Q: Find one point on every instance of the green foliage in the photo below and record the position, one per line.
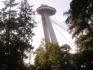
(53, 57)
(67, 59)
(81, 25)
(48, 58)
(15, 33)
(26, 20)
(84, 60)
(65, 48)
(79, 21)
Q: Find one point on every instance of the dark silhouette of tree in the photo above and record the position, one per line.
(80, 23)
(67, 59)
(65, 48)
(15, 33)
(26, 20)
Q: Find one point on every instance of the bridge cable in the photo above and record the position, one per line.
(62, 33)
(61, 26)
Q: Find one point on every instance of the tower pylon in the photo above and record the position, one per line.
(46, 11)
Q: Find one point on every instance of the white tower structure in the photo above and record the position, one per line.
(46, 11)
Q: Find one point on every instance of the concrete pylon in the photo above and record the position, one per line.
(46, 11)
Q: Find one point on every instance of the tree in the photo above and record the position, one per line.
(48, 58)
(26, 20)
(15, 33)
(65, 48)
(67, 59)
(53, 57)
(81, 25)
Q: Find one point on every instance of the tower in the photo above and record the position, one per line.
(46, 11)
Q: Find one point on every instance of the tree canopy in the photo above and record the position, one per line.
(48, 58)
(80, 23)
(16, 31)
(53, 57)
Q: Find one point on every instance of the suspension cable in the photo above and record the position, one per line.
(39, 21)
(64, 37)
(61, 32)
(61, 26)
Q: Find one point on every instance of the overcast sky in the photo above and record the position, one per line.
(61, 6)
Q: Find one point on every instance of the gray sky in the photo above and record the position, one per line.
(61, 6)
